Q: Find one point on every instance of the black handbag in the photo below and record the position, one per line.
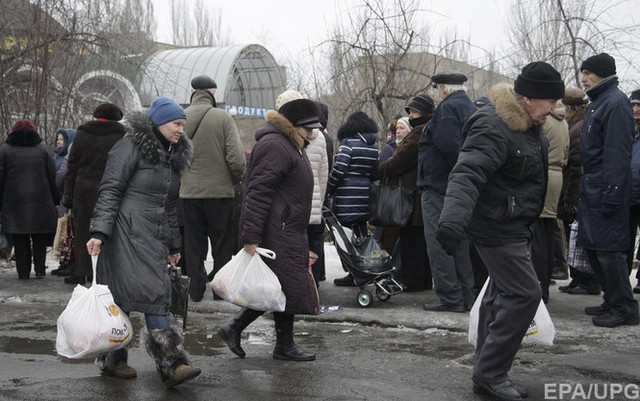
(390, 206)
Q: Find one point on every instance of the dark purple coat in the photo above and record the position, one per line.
(276, 209)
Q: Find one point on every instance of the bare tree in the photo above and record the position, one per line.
(49, 45)
(194, 25)
(565, 32)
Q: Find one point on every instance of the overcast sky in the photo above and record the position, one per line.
(288, 28)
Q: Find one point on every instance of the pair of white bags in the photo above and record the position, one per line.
(541, 330)
(92, 324)
(247, 281)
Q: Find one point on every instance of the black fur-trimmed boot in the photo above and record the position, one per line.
(115, 364)
(231, 331)
(286, 349)
(165, 346)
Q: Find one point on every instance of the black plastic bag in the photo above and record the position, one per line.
(179, 297)
(371, 258)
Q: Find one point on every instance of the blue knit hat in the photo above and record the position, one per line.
(164, 110)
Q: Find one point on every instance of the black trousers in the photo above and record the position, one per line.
(508, 306)
(28, 246)
(415, 270)
(212, 220)
(542, 252)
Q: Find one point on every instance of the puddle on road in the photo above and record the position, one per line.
(18, 345)
(210, 344)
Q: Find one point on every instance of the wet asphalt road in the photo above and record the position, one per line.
(392, 350)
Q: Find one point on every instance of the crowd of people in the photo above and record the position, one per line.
(529, 184)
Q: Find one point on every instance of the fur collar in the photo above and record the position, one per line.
(502, 96)
(24, 139)
(141, 130)
(280, 122)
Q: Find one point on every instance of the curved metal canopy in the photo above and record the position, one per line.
(245, 75)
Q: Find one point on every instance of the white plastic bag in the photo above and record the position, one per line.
(92, 324)
(247, 281)
(541, 330)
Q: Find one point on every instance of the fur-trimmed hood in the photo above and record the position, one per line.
(502, 97)
(141, 129)
(283, 125)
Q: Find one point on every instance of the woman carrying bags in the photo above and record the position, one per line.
(275, 215)
(135, 229)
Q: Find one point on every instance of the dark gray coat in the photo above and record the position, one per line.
(27, 185)
(136, 216)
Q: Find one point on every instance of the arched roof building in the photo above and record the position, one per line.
(246, 75)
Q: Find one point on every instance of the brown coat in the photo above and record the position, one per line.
(404, 164)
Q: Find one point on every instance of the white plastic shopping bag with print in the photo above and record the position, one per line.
(247, 281)
(541, 330)
(92, 324)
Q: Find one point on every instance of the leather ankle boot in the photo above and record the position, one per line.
(231, 332)
(286, 349)
(115, 364)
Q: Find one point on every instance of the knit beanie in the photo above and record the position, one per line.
(404, 121)
(301, 113)
(108, 111)
(539, 80)
(164, 110)
(203, 82)
(635, 97)
(423, 104)
(286, 97)
(23, 125)
(601, 64)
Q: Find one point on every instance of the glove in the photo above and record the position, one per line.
(448, 239)
(609, 209)
(570, 212)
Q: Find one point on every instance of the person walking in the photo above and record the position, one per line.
(28, 196)
(605, 189)
(634, 212)
(207, 187)
(439, 146)
(134, 227)
(86, 164)
(275, 215)
(496, 191)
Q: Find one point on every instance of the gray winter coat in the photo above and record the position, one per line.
(136, 217)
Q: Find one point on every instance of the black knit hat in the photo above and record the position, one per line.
(108, 111)
(601, 64)
(301, 113)
(539, 80)
(635, 97)
(423, 104)
(203, 82)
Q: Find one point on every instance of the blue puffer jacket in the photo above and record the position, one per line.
(605, 152)
(355, 167)
(441, 141)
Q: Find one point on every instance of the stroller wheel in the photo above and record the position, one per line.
(382, 294)
(365, 298)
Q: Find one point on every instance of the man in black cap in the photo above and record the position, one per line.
(496, 190)
(438, 151)
(207, 188)
(605, 189)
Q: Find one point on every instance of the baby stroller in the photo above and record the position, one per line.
(362, 257)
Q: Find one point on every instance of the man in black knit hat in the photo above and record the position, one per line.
(605, 189)
(495, 192)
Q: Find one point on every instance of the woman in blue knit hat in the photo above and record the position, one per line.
(135, 230)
